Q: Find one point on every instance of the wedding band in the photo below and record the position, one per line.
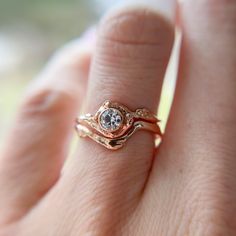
(113, 124)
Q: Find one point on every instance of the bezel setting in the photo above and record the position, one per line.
(114, 123)
(111, 119)
(122, 111)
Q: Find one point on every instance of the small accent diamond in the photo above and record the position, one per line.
(111, 119)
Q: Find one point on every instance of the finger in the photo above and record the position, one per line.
(38, 142)
(198, 151)
(203, 110)
(133, 49)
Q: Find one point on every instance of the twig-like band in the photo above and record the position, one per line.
(114, 123)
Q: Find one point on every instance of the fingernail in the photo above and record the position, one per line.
(167, 8)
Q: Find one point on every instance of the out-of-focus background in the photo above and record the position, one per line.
(30, 31)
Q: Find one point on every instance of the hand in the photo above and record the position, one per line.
(186, 187)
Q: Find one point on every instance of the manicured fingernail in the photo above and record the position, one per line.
(165, 7)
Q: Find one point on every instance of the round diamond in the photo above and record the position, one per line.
(111, 119)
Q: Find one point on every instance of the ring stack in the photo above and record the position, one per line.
(114, 123)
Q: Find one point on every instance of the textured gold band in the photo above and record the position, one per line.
(114, 123)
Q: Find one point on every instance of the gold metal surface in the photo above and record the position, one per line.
(89, 125)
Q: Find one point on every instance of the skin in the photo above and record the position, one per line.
(185, 188)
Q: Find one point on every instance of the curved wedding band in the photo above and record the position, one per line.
(114, 123)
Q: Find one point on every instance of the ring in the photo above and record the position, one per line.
(113, 124)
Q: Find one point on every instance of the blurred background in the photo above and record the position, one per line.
(31, 30)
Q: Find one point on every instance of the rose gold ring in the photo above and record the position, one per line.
(114, 123)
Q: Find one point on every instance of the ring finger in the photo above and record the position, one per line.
(133, 48)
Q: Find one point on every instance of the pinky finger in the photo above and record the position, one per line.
(37, 145)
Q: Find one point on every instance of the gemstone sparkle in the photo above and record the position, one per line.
(111, 119)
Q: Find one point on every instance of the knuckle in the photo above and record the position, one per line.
(137, 26)
(46, 102)
(134, 31)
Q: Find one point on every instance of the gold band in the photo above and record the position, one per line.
(114, 123)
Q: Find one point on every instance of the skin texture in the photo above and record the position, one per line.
(185, 188)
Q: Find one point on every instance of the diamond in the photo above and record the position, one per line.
(111, 119)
